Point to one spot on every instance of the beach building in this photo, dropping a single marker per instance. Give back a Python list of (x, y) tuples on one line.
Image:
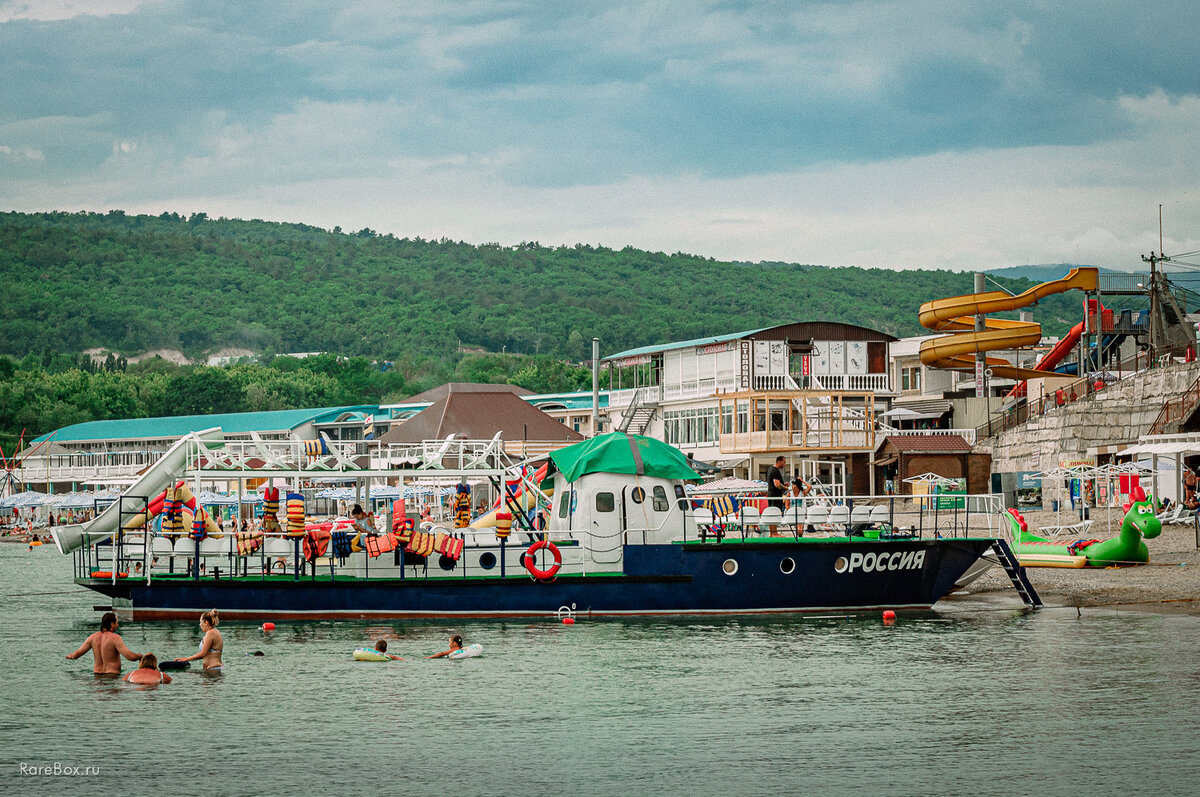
[(810, 391), (111, 453)]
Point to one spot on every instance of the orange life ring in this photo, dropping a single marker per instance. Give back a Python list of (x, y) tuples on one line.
[(108, 574), (550, 572)]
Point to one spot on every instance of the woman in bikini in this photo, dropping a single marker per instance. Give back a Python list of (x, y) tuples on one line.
[(212, 644)]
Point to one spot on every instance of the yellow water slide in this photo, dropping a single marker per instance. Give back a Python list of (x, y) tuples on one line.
[(957, 351)]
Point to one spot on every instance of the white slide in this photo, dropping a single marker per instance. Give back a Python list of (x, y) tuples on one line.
[(149, 484)]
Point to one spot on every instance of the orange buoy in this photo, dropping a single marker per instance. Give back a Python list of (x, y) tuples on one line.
[(568, 621), (889, 615), (268, 626)]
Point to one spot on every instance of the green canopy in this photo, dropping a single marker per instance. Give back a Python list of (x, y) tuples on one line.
[(618, 452)]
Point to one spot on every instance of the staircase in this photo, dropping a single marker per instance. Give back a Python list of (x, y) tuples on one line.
[(637, 415), (1016, 573), (1177, 412)]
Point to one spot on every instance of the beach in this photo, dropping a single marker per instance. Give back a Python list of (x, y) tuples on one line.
[(1169, 583)]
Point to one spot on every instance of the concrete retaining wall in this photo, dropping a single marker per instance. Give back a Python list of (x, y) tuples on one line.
[(1120, 413)]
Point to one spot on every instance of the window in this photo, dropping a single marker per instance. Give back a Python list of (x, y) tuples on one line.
[(660, 499), (563, 501), (638, 495), (605, 502)]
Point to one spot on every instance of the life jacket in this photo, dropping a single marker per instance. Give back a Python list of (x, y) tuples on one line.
[(295, 514), (315, 543), (421, 544), (248, 542), (341, 544), (448, 545), (380, 544), (462, 509), (403, 528), (723, 505), (316, 448), (199, 527)]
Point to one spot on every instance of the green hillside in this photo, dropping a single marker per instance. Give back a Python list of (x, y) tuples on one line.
[(135, 283)]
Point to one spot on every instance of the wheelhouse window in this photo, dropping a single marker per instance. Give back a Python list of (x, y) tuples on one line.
[(660, 499), (605, 502)]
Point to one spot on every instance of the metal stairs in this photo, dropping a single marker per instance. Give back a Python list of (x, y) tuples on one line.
[(637, 415), (1016, 573)]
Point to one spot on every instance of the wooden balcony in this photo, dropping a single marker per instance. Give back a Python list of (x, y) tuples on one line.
[(754, 422)]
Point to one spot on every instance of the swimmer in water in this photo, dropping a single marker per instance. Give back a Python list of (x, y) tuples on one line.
[(455, 644), (381, 646), (211, 645), (148, 672), (107, 648)]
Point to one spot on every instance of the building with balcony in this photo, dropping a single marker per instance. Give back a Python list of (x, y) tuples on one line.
[(808, 391)]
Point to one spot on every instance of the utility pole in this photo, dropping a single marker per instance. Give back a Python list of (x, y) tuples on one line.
[(1154, 260), (980, 357)]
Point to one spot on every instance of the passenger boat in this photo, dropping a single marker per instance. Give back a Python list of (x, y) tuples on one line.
[(622, 539)]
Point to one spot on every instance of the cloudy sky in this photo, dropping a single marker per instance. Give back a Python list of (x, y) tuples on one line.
[(898, 134)]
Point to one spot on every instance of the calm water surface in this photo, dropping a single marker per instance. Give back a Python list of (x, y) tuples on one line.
[(977, 699)]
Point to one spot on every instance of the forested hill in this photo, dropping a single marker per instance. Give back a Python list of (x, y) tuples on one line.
[(134, 283)]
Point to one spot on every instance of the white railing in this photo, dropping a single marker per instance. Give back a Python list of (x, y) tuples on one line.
[(876, 383), (624, 397), (965, 434)]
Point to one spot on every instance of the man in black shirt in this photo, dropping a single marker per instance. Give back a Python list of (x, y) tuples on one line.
[(776, 486)]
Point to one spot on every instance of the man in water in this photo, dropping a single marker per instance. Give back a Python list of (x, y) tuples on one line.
[(107, 648)]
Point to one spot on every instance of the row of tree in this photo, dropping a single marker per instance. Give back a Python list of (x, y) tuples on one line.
[(138, 283), (39, 394)]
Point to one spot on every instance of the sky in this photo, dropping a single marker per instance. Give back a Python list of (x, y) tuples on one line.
[(911, 134)]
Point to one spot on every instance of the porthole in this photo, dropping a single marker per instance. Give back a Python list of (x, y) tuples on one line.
[(730, 566), (446, 563), (487, 561), (840, 564), (787, 566)]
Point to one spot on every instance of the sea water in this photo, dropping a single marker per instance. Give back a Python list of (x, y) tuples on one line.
[(975, 698)]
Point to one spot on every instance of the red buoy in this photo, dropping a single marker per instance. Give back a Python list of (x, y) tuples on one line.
[(268, 626), (568, 621), (889, 615)]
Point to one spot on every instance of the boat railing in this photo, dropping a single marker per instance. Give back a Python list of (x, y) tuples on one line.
[(939, 515), (322, 454)]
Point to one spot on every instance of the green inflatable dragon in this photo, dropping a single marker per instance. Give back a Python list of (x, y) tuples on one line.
[(1139, 525)]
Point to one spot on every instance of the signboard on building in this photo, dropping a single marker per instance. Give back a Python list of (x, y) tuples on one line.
[(744, 367), (806, 365), (716, 348), (637, 359)]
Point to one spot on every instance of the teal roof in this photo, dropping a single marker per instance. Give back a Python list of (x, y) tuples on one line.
[(571, 401), (178, 426), (683, 344)]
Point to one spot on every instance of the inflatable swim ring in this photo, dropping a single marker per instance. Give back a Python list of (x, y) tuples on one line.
[(370, 654), (35, 542), (469, 652), (108, 574)]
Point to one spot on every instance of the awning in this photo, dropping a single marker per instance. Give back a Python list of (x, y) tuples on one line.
[(886, 461), (1118, 448), (730, 464), (1177, 447), (936, 406)]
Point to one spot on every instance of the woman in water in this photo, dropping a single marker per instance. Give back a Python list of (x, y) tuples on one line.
[(455, 644), (148, 672), (212, 644)]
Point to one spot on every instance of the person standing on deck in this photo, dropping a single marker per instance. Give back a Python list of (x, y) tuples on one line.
[(776, 487)]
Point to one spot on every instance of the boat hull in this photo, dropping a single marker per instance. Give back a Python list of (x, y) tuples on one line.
[(692, 578)]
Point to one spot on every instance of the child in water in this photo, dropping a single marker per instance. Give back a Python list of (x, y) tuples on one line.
[(455, 644), (381, 646)]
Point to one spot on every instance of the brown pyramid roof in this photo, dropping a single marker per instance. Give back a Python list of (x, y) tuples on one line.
[(440, 392), (478, 415)]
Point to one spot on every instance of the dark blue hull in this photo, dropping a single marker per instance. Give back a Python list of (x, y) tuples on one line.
[(809, 575)]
